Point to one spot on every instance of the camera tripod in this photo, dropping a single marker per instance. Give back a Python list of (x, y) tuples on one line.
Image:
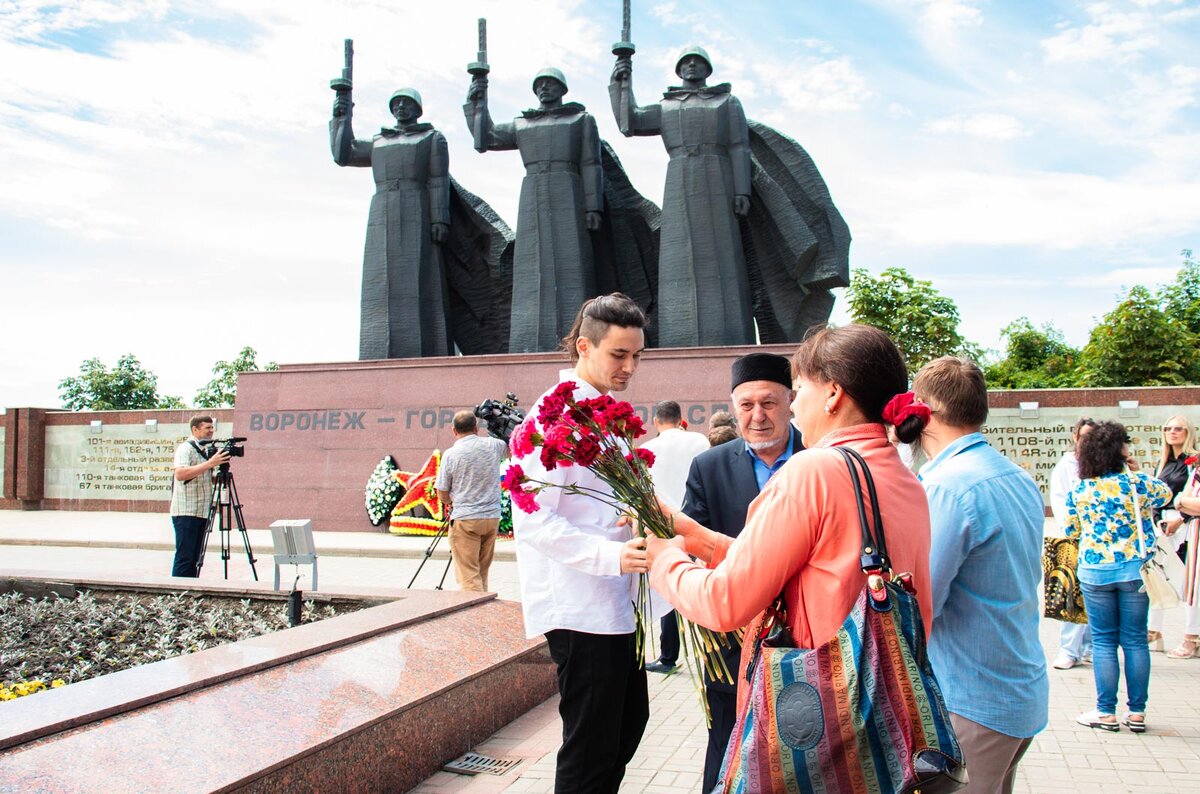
[(225, 510), (441, 533)]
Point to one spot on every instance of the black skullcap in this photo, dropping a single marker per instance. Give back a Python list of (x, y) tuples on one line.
[(762, 366)]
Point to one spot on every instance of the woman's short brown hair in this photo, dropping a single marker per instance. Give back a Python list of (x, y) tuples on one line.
[(955, 389), (862, 359)]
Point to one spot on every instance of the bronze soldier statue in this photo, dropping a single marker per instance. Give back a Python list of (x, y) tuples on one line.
[(561, 200), (704, 292), (404, 302)]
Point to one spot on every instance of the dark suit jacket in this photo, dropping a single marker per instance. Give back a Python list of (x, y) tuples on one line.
[(720, 487)]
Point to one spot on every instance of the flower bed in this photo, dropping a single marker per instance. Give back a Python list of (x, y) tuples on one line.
[(49, 642)]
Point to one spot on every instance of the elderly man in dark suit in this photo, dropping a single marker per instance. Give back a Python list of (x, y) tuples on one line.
[(721, 485)]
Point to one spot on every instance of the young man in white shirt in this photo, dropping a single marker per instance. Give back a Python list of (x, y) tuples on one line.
[(1074, 639), (576, 568), (674, 449)]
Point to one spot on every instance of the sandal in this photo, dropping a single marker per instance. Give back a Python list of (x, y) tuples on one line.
[(1136, 725), (1154, 639), (1094, 719), (1187, 649)]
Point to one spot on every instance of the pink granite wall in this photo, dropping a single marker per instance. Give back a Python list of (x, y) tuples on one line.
[(317, 431)]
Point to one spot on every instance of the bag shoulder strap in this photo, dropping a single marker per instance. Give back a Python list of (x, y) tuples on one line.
[(1137, 514), (874, 544)]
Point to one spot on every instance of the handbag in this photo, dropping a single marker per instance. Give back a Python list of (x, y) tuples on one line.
[(862, 712), (1154, 574), (1060, 579)]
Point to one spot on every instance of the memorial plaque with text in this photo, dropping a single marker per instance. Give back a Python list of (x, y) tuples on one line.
[(120, 462), (1037, 444)]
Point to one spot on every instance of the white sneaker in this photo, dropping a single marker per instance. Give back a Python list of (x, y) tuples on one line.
[(1064, 661)]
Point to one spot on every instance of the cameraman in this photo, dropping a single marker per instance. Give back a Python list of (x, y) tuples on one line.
[(192, 493), (468, 483)]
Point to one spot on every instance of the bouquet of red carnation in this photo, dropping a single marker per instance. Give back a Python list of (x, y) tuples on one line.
[(598, 434)]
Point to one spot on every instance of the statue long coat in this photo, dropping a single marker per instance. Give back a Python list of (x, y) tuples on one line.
[(553, 265), (704, 294), (404, 305)]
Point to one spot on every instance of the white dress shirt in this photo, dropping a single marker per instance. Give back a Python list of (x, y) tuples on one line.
[(1063, 480), (569, 551), (674, 449)]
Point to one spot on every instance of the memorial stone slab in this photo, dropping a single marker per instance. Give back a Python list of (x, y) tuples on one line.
[(1037, 443), (118, 462)]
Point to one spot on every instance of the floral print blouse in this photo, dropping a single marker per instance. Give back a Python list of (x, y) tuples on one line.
[(1100, 514)]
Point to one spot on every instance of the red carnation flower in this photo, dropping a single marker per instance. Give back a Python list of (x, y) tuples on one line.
[(645, 455), (524, 439), (1190, 460), (514, 482)]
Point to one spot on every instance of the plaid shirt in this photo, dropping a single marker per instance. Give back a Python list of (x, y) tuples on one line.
[(191, 498)]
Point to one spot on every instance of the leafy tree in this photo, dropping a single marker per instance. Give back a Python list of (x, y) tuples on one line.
[(922, 321), (1181, 299), (222, 389), (126, 386), (1139, 344), (1035, 358)]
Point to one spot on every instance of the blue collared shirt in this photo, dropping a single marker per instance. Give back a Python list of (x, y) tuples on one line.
[(763, 472), (986, 518)]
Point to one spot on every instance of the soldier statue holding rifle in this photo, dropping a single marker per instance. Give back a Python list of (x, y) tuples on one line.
[(404, 306), (561, 200)]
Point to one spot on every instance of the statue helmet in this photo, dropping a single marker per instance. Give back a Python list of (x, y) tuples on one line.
[(411, 93), (693, 49), (551, 72)]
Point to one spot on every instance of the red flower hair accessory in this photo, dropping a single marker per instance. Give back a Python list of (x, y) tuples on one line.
[(902, 406)]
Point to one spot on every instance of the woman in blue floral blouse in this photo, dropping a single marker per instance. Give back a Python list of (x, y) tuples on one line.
[(1111, 512)]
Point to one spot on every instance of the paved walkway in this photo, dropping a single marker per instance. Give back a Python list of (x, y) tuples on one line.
[(1066, 757)]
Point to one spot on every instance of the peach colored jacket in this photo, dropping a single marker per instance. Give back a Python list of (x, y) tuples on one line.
[(803, 536)]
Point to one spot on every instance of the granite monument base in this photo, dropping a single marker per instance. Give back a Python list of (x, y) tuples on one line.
[(375, 700), (317, 431)]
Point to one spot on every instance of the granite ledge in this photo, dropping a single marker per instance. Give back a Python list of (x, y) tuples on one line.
[(98, 698)]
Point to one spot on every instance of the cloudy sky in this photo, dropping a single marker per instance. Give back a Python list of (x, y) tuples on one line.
[(166, 187)]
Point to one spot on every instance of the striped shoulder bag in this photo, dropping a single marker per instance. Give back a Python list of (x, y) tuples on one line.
[(861, 713)]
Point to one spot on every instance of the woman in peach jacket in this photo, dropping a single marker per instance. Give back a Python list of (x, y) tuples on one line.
[(802, 534)]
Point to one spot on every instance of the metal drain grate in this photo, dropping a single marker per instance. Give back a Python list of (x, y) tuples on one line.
[(476, 764)]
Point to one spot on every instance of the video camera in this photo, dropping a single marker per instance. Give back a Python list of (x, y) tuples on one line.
[(501, 417), (229, 445)]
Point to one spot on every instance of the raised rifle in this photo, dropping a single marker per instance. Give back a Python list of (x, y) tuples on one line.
[(479, 68), (624, 49)]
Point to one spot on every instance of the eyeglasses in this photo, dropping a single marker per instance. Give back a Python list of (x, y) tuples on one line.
[(1173, 429)]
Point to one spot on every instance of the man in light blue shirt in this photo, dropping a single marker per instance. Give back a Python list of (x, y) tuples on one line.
[(986, 518)]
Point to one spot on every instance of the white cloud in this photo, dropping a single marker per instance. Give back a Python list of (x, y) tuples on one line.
[(1109, 35), (36, 18), (945, 16), (824, 85), (1051, 211), (1122, 278), (987, 126)]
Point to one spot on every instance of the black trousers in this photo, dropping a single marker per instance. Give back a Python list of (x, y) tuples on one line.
[(669, 642), (723, 706), (604, 707), (189, 536)]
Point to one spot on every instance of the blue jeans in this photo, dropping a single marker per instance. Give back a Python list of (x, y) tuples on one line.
[(1117, 614)]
